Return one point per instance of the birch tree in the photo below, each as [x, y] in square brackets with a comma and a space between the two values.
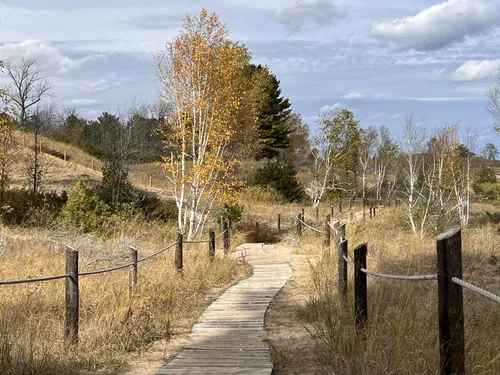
[7, 144]
[367, 146]
[385, 153]
[202, 76]
[335, 145]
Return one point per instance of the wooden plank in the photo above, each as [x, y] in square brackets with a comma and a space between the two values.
[228, 337]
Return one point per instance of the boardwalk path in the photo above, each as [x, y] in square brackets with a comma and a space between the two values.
[228, 337]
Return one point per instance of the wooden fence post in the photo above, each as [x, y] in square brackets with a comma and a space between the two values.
[450, 303]
[341, 232]
[350, 203]
[326, 240]
[178, 252]
[340, 206]
[72, 297]
[65, 156]
[371, 212]
[132, 276]
[211, 244]
[342, 268]
[317, 214]
[303, 216]
[279, 222]
[331, 209]
[299, 225]
[226, 237]
[374, 211]
[360, 287]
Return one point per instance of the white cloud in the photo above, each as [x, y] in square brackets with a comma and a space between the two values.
[440, 25]
[437, 74]
[329, 108]
[395, 116]
[301, 12]
[377, 115]
[81, 103]
[46, 55]
[474, 70]
[104, 84]
[354, 95]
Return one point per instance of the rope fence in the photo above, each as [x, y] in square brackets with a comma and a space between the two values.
[450, 294]
[476, 289]
[71, 323]
[33, 280]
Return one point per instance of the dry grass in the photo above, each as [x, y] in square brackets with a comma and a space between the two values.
[111, 324]
[402, 333]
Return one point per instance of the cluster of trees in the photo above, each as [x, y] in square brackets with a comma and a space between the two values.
[216, 111]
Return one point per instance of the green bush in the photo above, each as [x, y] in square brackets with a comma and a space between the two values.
[281, 176]
[485, 175]
[232, 212]
[85, 209]
[264, 194]
[23, 207]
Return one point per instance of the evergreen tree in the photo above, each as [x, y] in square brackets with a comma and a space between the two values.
[273, 112]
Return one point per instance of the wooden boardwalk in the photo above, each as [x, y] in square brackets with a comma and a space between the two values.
[228, 337]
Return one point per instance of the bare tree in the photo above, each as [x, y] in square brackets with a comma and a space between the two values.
[28, 88]
[368, 140]
[386, 151]
[494, 103]
[412, 147]
[42, 118]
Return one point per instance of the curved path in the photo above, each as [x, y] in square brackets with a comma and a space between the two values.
[228, 337]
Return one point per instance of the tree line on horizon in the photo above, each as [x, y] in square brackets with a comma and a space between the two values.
[216, 111]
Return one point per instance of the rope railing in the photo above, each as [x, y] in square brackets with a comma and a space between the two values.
[476, 289]
[98, 272]
[33, 280]
[389, 276]
[220, 235]
[157, 253]
[310, 227]
[196, 242]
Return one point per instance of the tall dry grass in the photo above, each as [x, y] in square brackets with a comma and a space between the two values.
[402, 331]
[112, 325]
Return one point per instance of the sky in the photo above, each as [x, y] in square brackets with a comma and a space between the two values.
[382, 60]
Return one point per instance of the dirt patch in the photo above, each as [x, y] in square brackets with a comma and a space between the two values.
[291, 344]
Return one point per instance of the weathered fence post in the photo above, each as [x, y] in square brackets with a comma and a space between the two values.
[341, 232]
[360, 287]
[342, 269]
[132, 276]
[178, 252]
[340, 206]
[326, 240]
[65, 155]
[279, 222]
[350, 203]
[211, 244]
[299, 225]
[317, 214]
[303, 216]
[374, 211]
[450, 303]
[226, 236]
[371, 212]
[72, 297]
[331, 209]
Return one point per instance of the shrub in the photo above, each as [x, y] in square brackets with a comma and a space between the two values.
[85, 209]
[23, 207]
[264, 194]
[282, 176]
[232, 212]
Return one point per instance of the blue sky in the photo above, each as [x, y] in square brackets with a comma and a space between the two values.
[435, 60]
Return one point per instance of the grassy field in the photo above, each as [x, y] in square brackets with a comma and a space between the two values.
[112, 326]
[402, 333]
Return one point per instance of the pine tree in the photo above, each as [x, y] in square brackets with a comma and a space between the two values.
[273, 111]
